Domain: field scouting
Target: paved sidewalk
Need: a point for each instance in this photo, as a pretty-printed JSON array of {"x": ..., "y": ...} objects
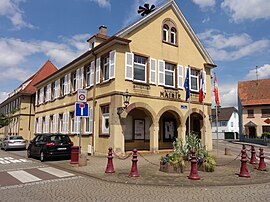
[{"x": 225, "y": 174}]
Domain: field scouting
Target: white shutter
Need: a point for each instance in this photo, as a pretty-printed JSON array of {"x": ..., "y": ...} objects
[
  {"x": 56, "y": 123},
  {"x": 161, "y": 72},
  {"x": 90, "y": 120},
  {"x": 77, "y": 124},
  {"x": 92, "y": 73},
  {"x": 48, "y": 93},
  {"x": 36, "y": 100},
  {"x": 39, "y": 125},
  {"x": 64, "y": 129},
  {"x": 180, "y": 77},
  {"x": 81, "y": 77},
  {"x": 98, "y": 71},
  {"x": 112, "y": 64},
  {"x": 41, "y": 95},
  {"x": 68, "y": 83},
  {"x": 57, "y": 88},
  {"x": 129, "y": 66},
  {"x": 204, "y": 78},
  {"x": 152, "y": 71},
  {"x": 77, "y": 79},
  {"x": 46, "y": 124},
  {"x": 67, "y": 122}
]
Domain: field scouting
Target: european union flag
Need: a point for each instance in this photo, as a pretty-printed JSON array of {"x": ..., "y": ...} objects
[{"x": 186, "y": 85}]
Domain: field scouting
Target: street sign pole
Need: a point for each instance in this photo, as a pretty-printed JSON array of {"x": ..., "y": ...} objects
[{"x": 80, "y": 136}]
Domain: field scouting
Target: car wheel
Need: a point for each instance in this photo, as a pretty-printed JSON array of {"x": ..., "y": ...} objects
[
  {"x": 29, "y": 153},
  {"x": 42, "y": 158}
]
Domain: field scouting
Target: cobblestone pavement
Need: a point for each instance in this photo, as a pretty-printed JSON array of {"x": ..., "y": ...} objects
[{"x": 92, "y": 184}]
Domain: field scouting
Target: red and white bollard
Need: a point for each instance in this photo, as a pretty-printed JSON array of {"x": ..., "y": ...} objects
[
  {"x": 262, "y": 165},
  {"x": 194, "y": 171},
  {"x": 134, "y": 170},
  {"x": 110, "y": 168},
  {"x": 253, "y": 159},
  {"x": 243, "y": 170}
]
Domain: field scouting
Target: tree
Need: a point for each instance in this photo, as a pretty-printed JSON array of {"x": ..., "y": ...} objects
[{"x": 6, "y": 119}]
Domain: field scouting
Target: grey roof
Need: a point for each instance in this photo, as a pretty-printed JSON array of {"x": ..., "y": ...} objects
[{"x": 225, "y": 113}]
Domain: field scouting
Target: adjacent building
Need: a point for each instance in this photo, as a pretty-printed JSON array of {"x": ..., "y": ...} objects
[
  {"x": 254, "y": 107},
  {"x": 135, "y": 87},
  {"x": 22, "y": 101},
  {"x": 227, "y": 125}
]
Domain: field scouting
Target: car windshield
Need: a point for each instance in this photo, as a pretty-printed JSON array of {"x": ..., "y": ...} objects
[
  {"x": 16, "y": 138},
  {"x": 58, "y": 138}
]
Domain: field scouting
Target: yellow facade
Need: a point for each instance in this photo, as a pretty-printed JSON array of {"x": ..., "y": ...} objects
[{"x": 156, "y": 113}]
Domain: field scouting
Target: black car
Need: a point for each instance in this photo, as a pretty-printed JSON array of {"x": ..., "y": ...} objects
[{"x": 45, "y": 146}]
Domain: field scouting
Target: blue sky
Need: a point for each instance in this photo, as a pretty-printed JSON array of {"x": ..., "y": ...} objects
[{"x": 236, "y": 33}]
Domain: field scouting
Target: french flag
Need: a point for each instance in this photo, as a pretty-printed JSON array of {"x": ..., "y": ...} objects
[{"x": 202, "y": 87}]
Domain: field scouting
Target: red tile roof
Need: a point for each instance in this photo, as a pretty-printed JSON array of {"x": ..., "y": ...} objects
[
  {"x": 254, "y": 92},
  {"x": 46, "y": 70}
]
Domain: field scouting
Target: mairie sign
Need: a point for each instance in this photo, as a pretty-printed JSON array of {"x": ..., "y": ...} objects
[{"x": 81, "y": 109}]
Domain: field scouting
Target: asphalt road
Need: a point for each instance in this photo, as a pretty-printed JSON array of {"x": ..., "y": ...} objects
[{"x": 23, "y": 179}]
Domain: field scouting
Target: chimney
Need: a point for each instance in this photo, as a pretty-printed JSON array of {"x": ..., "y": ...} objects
[{"x": 103, "y": 30}]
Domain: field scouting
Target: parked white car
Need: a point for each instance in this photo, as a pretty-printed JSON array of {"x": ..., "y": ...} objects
[{"x": 13, "y": 142}]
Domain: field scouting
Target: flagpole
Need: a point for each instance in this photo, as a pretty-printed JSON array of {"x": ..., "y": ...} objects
[{"x": 217, "y": 127}]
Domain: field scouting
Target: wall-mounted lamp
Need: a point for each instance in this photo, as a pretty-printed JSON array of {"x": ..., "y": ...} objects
[{"x": 126, "y": 97}]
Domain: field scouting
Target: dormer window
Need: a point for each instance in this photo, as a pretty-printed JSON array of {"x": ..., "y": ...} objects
[{"x": 169, "y": 32}]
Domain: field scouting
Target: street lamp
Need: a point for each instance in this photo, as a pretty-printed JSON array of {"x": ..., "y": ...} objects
[{"x": 126, "y": 97}]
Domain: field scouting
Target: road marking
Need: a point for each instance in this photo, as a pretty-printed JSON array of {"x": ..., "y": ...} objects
[
  {"x": 7, "y": 160},
  {"x": 56, "y": 172},
  {"x": 23, "y": 176}
]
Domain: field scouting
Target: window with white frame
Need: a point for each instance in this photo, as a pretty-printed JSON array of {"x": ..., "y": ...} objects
[
  {"x": 74, "y": 81},
  {"x": 140, "y": 65},
  {"x": 105, "y": 68},
  {"x": 165, "y": 33},
  {"x": 61, "y": 123},
  {"x": 169, "y": 32},
  {"x": 53, "y": 90},
  {"x": 87, "y": 75},
  {"x": 173, "y": 35},
  {"x": 194, "y": 80},
  {"x": 105, "y": 125},
  {"x": 231, "y": 124},
  {"x": 51, "y": 124},
  {"x": 62, "y": 86},
  {"x": 89, "y": 122},
  {"x": 169, "y": 75}
]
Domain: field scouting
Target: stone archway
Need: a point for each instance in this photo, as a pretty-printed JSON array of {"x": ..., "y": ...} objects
[{"x": 138, "y": 123}]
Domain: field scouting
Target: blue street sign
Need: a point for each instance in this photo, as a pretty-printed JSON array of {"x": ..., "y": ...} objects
[{"x": 81, "y": 109}]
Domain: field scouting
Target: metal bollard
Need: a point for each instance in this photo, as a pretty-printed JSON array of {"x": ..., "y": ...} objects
[
  {"x": 134, "y": 170},
  {"x": 262, "y": 165},
  {"x": 74, "y": 155},
  {"x": 110, "y": 168},
  {"x": 194, "y": 171},
  {"x": 243, "y": 170},
  {"x": 253, "y": 159}
]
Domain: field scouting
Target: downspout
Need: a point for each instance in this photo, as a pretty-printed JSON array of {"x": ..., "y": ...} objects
[
  {"x": 94, "y": 103},
  {"x": 30, "y": 117}
]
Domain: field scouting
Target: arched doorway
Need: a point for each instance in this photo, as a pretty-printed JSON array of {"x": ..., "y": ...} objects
[
  {"x": 169, "y": 123},
  {"x": 196, "y": 124},
  {"x": 138, "y": 125}
]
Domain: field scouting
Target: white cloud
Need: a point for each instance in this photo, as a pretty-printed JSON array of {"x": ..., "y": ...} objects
[
  {"x": 3, "y": 96},
  {"x": 204, "y": 3},
  {"x": 224, "y": 47},
  {"x": 263, "y": 72},
  {"x": 11, "y": 10},
  {"x": 247, "y": 9},
  {"x": 227, "y": 94},
  {"x": 103, "y": 3}
]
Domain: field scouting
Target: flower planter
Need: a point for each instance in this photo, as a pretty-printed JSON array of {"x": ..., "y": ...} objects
[{"x": 170, "y": 168}]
